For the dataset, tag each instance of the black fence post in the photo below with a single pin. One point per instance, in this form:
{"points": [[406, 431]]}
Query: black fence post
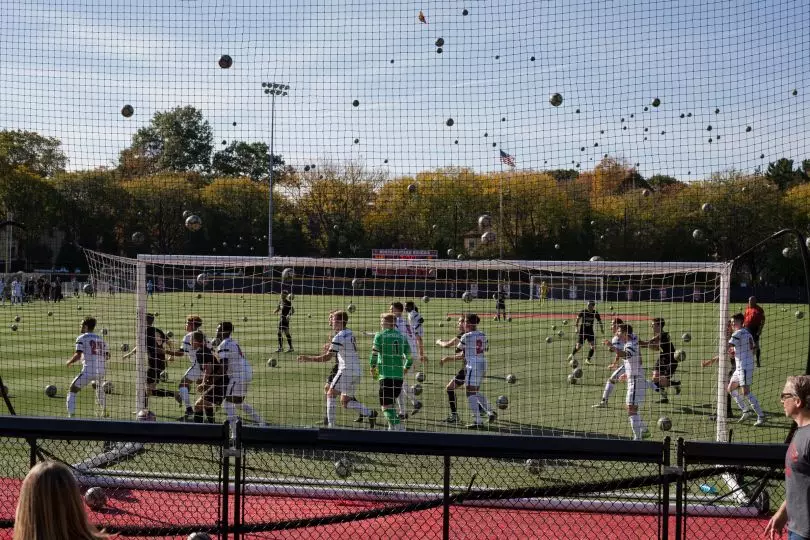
{"points": [[679, 491], [665, 487], [226, 466], [446, 497], [32, 453], [238, 483]]}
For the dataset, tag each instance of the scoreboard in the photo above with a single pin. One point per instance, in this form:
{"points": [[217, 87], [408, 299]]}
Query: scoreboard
{"points": [[404, 254], [405, 269]]}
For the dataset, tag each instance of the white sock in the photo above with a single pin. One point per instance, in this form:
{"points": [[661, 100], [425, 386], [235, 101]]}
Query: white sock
{"points": [[71, 402], [101, 397], [755, 404], [230, 411], [607, 391], [331, 410], [184, 397], [474, 401], [738, 398], [250, 411], [401, 402], [356, 405], [407, 390], [637, 427], [482, 399]]}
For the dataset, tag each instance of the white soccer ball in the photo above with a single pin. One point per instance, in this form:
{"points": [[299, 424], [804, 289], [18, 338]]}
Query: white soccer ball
{"points": [[201, 278], [555, 99], [560, 333], [533, 466], [50, 390], [287, 273], [484, 221], [451, 253], [194, 223], [574, 363], [420, 377], [351, 308], [467, 297], [707, 207], [799, 314], [425, 299], [107, 387], [572, 379], [664, 423], [596, 258], [343, 467], [164, 376], [788, 252], [502, 402], [577, 373], [199, 536], [357, 283], [272, 362], [488, 237], [680, 355], [95, 498], [687, 337], [698, 234], [549, 339], [511, 379], [145, 415], [124, 347], [417, 389]]}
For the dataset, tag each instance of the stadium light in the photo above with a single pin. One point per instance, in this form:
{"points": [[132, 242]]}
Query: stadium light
{"points": [[272, 89]]}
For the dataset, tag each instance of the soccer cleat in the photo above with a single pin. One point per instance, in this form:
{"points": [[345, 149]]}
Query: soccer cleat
{"points": [[744, 416], [452, 419], [372, 419], [403, 416], [475, 426], [492, 416], [588, 362], [760, 421], [360, 418], [601, 405], [279, 350], [677, 389], [290, 350], [663, 400]]}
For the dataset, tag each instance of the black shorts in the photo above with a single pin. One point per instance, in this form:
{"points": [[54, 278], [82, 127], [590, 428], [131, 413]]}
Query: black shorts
{"points": [[500, 305], [153, 371], [215, 394], [664, 368], [586, 335], [284, 323], [460, 377], [389, 391]]}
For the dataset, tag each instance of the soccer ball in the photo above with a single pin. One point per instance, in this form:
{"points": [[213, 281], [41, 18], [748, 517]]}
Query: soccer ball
{"points": [[107, 387], [50, 314], [199, 296], [272, 362], [449, 319], [93, 384], [656, 102], [145, 415], [420, 376], [511, 379], [574, 363], [577, 373], [572, 379], [549, 339], [460, 256], [201, 278], [484, 221], [164, 376], [225, 61], [127, 111], [502, 402], [664, 423], [565, 322], [441, 325], [488, 237], [560, 333], [509, 319], [787, 253], [687, 337], [193, 223], [707, 207], [95, 498], [646, 192], [799, 314], [555, 99], [88, 289], [50, 390], [13, 327], [351, 308], [425, 299], [138, 238], [417, 389], [680, 355], [199, 536], [124, 347], [245, 319], [698, 234], [357, 283], [17, 318], [287, 273], [556, 246], [411, 188], [533, 466], [467, 297], [343, 467], [104, 331], [186, 213], [596, 258], [417, 405]]}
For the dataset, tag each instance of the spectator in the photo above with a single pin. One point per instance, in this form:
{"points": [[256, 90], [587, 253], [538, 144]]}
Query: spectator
{"points": [[754, 321], [51, 508], [795, 510]]}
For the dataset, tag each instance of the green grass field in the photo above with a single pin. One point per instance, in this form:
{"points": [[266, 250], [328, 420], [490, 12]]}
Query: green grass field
{"points": [[541, 402]]}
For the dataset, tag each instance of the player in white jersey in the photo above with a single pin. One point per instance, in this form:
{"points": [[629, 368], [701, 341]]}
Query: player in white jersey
{"points": [[402, 326], [194, 373], [472, 347], [628, 349], [239, 372], [743, 346], [16, 291], [615, 376], [92, 350], [349, 372]]}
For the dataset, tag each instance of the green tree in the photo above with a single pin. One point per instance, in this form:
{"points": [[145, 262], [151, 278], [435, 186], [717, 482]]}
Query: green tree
{"points": [[31, 151], [245, 159], [782, 174], [179, 140], [662, 181]]}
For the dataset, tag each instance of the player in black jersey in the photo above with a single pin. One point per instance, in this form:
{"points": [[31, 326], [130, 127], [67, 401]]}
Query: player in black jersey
{"points": [[214, 380], [585, 321], [286, 309], [667, 364], [156, 344]]}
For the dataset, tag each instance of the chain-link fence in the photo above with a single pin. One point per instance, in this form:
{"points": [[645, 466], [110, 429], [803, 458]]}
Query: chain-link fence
{"points": [[175, 480]]}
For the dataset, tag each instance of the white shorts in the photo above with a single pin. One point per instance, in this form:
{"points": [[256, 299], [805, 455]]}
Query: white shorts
{"points": [[743, 376], [475, 375], [194, 373], [85, 377], [237, 388], [345, 382], [618, 372], [636, 388]]}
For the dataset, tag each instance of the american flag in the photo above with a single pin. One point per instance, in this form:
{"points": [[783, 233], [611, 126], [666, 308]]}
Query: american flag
{"points": [[507, 159]]}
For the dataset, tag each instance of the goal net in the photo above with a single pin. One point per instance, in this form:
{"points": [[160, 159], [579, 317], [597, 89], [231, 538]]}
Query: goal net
{"points": [[542, 383]]}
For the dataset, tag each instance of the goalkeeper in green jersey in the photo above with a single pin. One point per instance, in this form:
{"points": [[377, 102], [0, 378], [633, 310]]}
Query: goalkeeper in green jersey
{"points": [[390, 360]]}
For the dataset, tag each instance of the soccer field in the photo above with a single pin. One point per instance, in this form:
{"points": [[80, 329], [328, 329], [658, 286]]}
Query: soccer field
{"points": [[541, 402]]}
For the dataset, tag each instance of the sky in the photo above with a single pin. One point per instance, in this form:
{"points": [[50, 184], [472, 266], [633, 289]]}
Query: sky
{"points": [[70, 67]]}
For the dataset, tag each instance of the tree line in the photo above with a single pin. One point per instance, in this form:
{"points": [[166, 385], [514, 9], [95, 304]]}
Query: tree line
{"points": [[347, 209]]}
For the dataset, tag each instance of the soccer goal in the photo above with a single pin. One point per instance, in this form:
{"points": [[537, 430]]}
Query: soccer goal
{"points": [[544, 390], [555, 286]]}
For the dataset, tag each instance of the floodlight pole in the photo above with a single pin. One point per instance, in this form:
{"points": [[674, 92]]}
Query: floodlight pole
{"points": [[273, 89]]}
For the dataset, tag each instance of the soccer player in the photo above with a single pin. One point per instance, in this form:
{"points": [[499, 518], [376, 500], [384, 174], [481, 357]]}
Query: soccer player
{"points": [[500, 305], [286, 309], [754, 321], [156, 341], [193, 374], [543, 291], [92, 350], [390, 359], [343, 347], [618, 371], [240, 373], [401, 325], [16, 291], [472, 347], [627, 348], [585, 320], [667, 364], [214, 382], [742, 346]]}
